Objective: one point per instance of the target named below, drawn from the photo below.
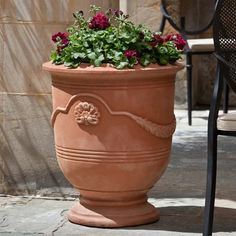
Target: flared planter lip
(106, 70)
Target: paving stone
(179, 216)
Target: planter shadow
(189, 219)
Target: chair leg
(211, 185)
(212, 155)
(226, 98)
(189, 86)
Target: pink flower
(131, 54)
(157, 40)
(177, 39)
(99, 21)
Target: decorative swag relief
(87, 114)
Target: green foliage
(118, 41)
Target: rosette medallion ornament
(86, 114)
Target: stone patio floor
(179, 194)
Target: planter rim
(87, 69)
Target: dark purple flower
(118, 13)
(141, 35)
(99, 21)
(109, 11)
(81, 13)
(131, 54)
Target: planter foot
(113, 216)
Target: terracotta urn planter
(113, 133)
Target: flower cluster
(178, 41)
(157, 39)
(99, 21)
(131, 53)
(61, 39)
(111, 38)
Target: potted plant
(113, 98)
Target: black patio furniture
(224, 34)
(180, 20)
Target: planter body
(113, 132)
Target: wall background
(27, 157)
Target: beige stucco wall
(27, 157)
(148, 13)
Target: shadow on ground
(190, 219)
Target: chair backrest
(183, 15)
(224, 34)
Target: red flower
(177, 39)
(131, 53)
(157, 40)
(61, 37)
(168, 37)
(180, 43)
(99, 21)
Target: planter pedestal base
(113, 215)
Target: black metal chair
(179, 20)
(224, 34)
